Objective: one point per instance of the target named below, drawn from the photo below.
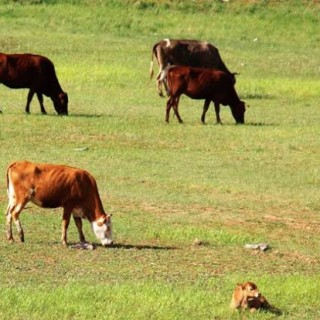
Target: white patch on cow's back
(204, 44)
(167, 42)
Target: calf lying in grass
(247, 296)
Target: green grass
(168, 185)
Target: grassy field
(168, 184)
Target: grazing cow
(192, 53)
(53, 186)
(35, 73)
(200, 83)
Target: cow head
(102, 230)
(250, 290)
(60, 103)
(238, 111)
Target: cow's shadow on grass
(261, 124)
(138, 247)
(72, 115)
(77, 245)
(89, 115)
(246, 124)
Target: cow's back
(197, 83)
(27, 71)
(52, 185)
(192, 53)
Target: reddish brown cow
(192, 53)
(53, 186)
(200, 83)
(36, 73)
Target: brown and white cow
(36, 73)
(53, 186)
(192, 53)
(200, 83)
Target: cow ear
(243, 285)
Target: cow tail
(8, 172)
(153, 53)
(8, 180)
(165, 80)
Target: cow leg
(29, 98)
(175, 108)
(65, 224)
(9, 224)
(19, 229)
(78, 222)
(217, 109)
(205, 109)
(159, 85)
(13, 213)
(40, 98)
(169, 105)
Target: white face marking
(103, 233)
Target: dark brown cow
(192, 53)
(200, 83)
(53, 186)
(35, 73)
